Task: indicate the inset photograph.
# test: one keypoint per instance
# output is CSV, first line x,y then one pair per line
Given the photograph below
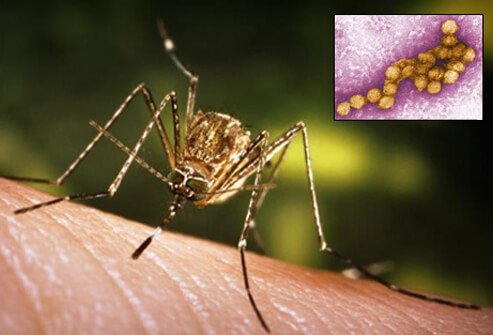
x,y
408,67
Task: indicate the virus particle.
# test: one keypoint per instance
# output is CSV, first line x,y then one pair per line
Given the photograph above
x,y
440,61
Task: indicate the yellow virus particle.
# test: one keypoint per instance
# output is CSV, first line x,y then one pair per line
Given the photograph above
x,y
407,71
427,58
357,101
421,81
374,95
343,108
449,27
386,102
450,77
449,40
436,73
441,64
393,73
390,88
441,52
457,66
434,87
459,50
469,55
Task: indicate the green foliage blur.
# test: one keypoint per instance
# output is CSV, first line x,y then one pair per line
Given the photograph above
x,y
413,193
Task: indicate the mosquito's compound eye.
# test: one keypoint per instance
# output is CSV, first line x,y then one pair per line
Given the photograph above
x,y
175,177
199,187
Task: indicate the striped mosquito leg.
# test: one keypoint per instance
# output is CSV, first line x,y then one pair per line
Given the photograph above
x,y
242,244
169,47
263,193
176,129
192,92
300,126
139,160
117,182
395,288
118,179
175,206
79,196
272,175
152,110
243,168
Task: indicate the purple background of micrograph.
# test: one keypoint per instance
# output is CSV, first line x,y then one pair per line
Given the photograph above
x,y
365,45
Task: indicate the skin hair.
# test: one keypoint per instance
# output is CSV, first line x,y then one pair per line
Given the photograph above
x,y
67,269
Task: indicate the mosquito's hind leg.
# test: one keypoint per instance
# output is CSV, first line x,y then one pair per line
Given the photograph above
x,y
113,188
285,139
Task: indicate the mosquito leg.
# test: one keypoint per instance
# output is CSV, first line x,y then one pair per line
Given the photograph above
x,y
139,160
118,179
235,171
395,288
169,47
286,138
242,244
176,205
79,196
152,110
263,192
272,175
246,166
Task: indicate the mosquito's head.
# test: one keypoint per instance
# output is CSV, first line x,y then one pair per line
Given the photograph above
x,y
188,183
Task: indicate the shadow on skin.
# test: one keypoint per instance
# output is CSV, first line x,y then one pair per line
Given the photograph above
x,y
67,269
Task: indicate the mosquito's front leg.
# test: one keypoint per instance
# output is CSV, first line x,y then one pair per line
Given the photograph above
x,y
152,110
169,47
139,160
111,190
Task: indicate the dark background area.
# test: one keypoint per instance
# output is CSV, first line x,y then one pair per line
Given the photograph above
x,y
413,193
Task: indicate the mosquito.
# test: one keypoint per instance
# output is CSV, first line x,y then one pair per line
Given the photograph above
x,y
217,158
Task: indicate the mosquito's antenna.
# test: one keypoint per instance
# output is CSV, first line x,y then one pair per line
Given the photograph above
x,y
127,150
176,205
169,47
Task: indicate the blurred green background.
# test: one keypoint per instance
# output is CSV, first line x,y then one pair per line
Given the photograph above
x,y
414,193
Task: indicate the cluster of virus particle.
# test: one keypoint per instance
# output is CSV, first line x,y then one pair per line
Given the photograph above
x,y
441,64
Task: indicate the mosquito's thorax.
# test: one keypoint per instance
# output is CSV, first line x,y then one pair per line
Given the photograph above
x,y
215,141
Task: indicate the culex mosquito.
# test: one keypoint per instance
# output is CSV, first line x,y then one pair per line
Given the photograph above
x,y
218,157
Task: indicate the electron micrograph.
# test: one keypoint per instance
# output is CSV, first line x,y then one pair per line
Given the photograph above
x,y
408,67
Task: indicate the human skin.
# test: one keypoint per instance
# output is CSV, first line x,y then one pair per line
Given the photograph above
x,y
66,269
